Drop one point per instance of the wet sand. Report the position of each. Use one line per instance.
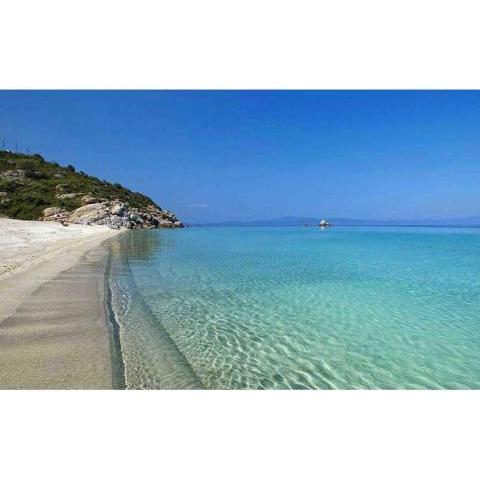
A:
(54, 332)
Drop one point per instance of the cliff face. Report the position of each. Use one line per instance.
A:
(32, 188)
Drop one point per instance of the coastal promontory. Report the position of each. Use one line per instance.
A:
(32, 188)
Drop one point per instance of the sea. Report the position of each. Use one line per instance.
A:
(298, 307)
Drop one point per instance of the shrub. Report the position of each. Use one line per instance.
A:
(70, 168)
(28, 166)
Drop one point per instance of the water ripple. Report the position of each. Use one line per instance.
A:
(294, 308)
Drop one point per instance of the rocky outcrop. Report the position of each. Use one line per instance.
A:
(87, 199)
(67, 196)
(55, 214)
(13, 174)
(115, 214)
(29, 184)
(92, 213)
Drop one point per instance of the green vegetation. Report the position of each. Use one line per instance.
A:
(29, 184)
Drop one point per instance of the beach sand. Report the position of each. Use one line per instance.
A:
(53, 328)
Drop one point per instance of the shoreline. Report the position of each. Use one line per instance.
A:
(151, 358)
(55, 329)
(117, 359)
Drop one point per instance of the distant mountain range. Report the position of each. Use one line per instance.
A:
(296, 221)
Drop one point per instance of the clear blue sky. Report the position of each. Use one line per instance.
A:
(243, 155)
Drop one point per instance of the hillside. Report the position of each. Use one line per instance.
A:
(29, 185)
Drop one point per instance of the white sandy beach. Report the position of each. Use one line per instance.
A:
(53, 331)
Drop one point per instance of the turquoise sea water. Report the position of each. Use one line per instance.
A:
(264, 307)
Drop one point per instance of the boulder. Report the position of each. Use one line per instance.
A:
(115, 221)
(93, 213)
(134, 217)
(65, 196)
(118, 209)
(48, 212)
(54, 214)
(88, 199)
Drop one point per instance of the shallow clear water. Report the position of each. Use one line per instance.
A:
(262, 307)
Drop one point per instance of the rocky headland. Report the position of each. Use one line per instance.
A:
(32, 188)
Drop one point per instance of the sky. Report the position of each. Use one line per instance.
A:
(256, 155)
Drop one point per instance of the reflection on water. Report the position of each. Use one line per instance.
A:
(141, 245)
(299, 307)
